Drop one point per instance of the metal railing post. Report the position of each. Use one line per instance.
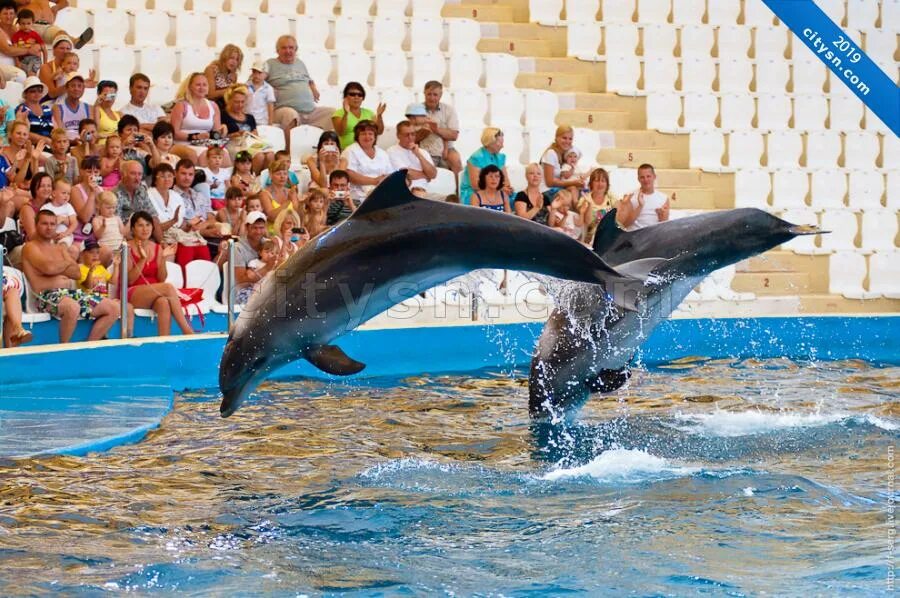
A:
(123, 288)
(2, 259)
(229, 276)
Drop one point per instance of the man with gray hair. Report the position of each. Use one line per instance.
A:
(132, 196)
(296, 93)
(440, 130)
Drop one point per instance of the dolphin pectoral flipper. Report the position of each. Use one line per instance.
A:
(332, 360)
(640, 269)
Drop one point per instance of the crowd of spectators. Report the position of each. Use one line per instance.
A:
(181, 183)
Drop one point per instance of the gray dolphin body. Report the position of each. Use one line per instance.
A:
(587, 352)
(393, 247)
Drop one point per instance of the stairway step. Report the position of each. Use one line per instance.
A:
(484, 13)
(785, 261)
(555, 82)
(633, 157)
(822, 303)
(689, 198)
(773, 283)
(526, 48)
(591, 119)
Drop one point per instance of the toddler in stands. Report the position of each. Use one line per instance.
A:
(243, 177)
(217, 177)
(569, 168)
(26, 37)
(66, 218)
(70, 64)
(95, 278)
(231, 216)
(315, 211)
(111, 162)
(60, 164)
(262, 95)
(108, 228)
(563, 216)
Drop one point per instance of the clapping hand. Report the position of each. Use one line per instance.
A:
(39, 149)
(169, 250)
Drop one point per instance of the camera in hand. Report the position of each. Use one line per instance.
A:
(138, 137)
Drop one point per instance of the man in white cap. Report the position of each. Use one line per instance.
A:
(407, 154)
(147, 114)
(262, 95)
(441, 129)
(70, 112)
(248, 248)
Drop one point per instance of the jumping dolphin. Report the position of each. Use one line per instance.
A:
(578, 354)
(394, 246)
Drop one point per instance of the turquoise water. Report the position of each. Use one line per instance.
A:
(701, 477)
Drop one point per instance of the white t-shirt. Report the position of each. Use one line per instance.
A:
(648, 216)
(260, 98)
(217, 181)
(404, 158)
(61, 211)
(552, 159)
(359, 162)
(167, 212)
(147, 114)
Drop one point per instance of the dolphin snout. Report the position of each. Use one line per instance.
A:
(806, 229)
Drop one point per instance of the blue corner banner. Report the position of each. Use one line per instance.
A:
(841, 54)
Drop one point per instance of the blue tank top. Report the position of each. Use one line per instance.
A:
(500, 207)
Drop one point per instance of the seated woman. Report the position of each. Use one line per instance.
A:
(13, 332)
(147, 288)
(529, 203)
(161, 149)
(19, 161)
(170, 209)
(242, 132)
(352, 113)
(488, 153)
(280, 195)
(592, 206)
(326, 160)
(222, 73)
(38, 114)
(106, 118)
(195, 119)
(366, 163)
(288, 227)
(490, 192)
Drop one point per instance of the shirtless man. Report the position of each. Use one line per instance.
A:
(52, 273)
(45, 16)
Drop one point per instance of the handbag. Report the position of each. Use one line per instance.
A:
(191, 296)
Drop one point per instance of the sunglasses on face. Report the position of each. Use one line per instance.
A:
(355, 94)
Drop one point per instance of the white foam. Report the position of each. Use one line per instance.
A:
(623, 465)
(746, 423)
(749, 490)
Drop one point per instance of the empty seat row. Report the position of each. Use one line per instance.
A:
(672, 112)
(856, 190)
(849, 270)
(870, 232)
(746, 149)
(428, 8)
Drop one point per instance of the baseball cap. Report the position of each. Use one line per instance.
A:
(259, 65)
(71, 76)
(416, 109)
(91, 244)
(254, 217)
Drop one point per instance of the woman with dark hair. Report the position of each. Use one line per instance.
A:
(161, 149)
(147, 288)
(490, 192)
(366, 163)
(41, 190)
(326, 159)
(106, 118)
(83, 198)
(351, 113)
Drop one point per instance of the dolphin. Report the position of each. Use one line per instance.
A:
(587, 346)
(394, 246)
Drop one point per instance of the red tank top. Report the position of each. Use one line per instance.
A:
(150, 274)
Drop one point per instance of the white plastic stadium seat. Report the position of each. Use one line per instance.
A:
(664, 112)
(879, 229)
(865, 189)
(465, 70)
(537, 141)
(390, 68)
(660, 74)
(545, 12)
(583, 40)
(351, 33)
(582, 11)
(590, 143)
(500, 71)
(116, 64)
(890, 155)
(92, 5)
(114, 30)
(784, 149)
(303, 140)
(355, 8)
(506, 107)
(757, 14)
(688, 12)
(312, 33)
(388, 34)
(733, 42)
(74, 20)
(353, 66)
(471, 107)
(468, 142)
(834, 9)
(232, 28)
(828, 189)
(463, 35)
(861, 150)
(723, 12)
(245, 7)
(425, 35)
(211, 7)
(745, 149)
(846, 273)
(735, 76)
(807, 73)
(770, 42)
(823, 149)
(810, 112)
(706, 148)
(173, 6)
(804, 244)
(428, 66)
(698, 74)
(151, 28)
(654, 11)
(843, 228)
(620, 40)
(617, 11)
(876, 125)
(772, 75)
(272, 27)
(658, 40)
(444, 183)
(192, 29)
(881, 44)
(513, 143)
(204, 274)
(737, 111)
(697, 41)
(541, 107)
(159, 64)
(846, 113)
(893, 189)
(622, 74)
(274, 135)
(773, 112)
(862, 14)
(426, 8)
(884, 274)
(30, 315)
(396, 99)
(391, 8)
(315, 7)
(789, 189)
(193, 60)
(752, 187)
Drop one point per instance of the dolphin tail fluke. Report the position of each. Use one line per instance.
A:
(332, 360)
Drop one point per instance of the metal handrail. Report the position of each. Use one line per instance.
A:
(229, 274)
(123, 289)
(2, 258)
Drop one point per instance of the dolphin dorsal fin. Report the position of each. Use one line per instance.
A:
(607, 233)
(391, 193)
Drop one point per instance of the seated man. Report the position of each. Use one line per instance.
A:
(296, 93)
(441, 129)
(644, 207)
(407, 154)
(52, 272)
(247, 269)
(146, 113)
(198, 213)
(45, 16)
(341, 205)
(132, 196)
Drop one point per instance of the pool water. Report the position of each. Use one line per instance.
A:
(713, 477)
